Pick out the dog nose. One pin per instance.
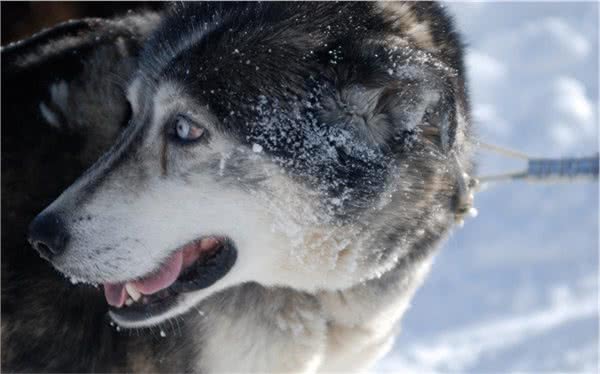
(48, 235)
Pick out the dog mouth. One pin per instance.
(194, 266)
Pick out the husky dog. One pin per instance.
(283, 176)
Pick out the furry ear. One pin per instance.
(70, 79)
(395, 96)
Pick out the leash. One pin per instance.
(538, 170)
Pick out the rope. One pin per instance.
(545, 169)
(538, 170)
(503, 151)
(563, 168)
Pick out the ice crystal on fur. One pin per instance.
(295, 133)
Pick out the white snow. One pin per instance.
(459, 349)
(257, 148)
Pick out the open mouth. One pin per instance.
(194, 266)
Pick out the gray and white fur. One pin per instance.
(335, 138)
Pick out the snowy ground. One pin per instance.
(516, 288)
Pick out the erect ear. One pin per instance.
(63, 103)
(396, 96)
(71, 78)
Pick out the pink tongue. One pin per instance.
(116, 294)
(165, 276)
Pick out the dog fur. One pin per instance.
(339, 133)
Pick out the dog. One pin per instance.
(274, 181)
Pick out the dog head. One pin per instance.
(265, 145)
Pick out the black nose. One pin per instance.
(48, 235)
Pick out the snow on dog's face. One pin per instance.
(307, 161)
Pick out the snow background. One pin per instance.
(516, 288)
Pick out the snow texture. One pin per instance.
(516, 289)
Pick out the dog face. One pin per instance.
(261, 149)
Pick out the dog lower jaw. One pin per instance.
(156, 319)
(164, 304)
(183, 303)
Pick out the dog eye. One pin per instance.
(185, 130)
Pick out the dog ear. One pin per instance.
(63, 103)
(395, 97)
(70, 79)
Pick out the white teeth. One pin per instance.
(132, 291)
(128, 302)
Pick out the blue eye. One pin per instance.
(183, 128)
(186, 131)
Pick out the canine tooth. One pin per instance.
(129, 301)
(132, 291)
